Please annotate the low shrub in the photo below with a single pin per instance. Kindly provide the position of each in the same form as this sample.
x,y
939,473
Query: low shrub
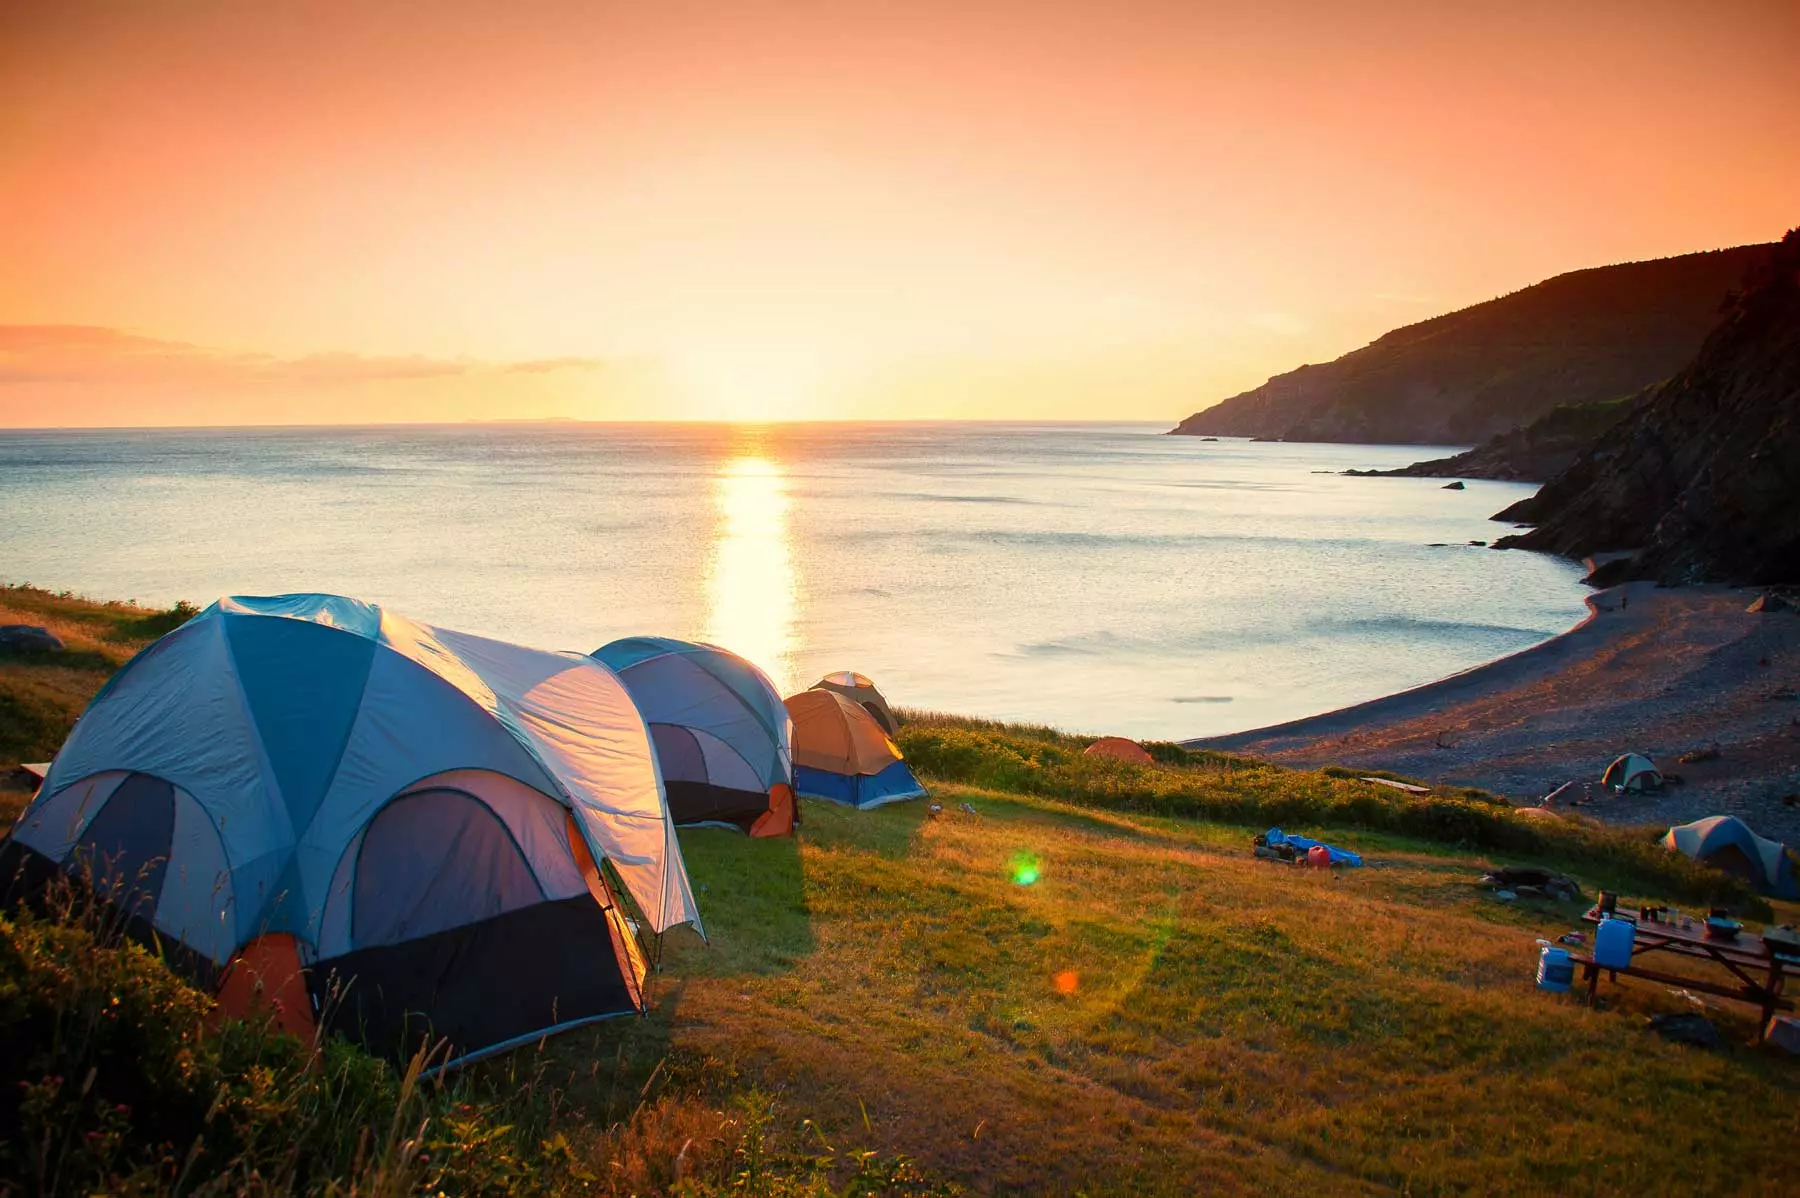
x,y
117,1077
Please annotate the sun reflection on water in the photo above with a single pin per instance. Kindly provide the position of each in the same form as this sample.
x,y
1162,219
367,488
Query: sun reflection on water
x,y
750,581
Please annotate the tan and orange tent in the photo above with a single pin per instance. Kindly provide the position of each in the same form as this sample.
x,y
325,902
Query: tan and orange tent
x,y
842,754
859,689
1119,749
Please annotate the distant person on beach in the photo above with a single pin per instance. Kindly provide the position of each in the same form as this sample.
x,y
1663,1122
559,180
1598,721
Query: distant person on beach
x,y
1624,602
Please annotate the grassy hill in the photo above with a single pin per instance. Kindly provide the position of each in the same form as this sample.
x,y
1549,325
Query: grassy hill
x,y
1084,983
1584,337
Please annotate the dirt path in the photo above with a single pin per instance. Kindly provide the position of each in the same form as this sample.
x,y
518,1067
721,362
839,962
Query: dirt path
x,y
1657,671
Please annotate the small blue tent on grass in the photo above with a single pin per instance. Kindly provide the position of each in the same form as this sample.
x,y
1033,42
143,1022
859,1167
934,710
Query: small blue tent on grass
x,y
720,730
411,817
1726,842
841,753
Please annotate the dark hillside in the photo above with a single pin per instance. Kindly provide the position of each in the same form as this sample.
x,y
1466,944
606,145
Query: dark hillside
x,y
1702,477
1580,338
1540,450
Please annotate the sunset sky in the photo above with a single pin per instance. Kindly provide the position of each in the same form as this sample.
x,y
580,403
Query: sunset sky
x,y
290,212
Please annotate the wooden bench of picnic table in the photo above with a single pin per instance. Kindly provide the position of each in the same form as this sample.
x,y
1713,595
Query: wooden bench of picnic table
x,y
1761,972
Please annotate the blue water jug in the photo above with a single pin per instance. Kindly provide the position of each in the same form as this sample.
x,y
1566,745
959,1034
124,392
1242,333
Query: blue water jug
x,y
1612,943
1555,970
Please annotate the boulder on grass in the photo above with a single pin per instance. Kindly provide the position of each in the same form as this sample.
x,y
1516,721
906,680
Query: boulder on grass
x,y
29,638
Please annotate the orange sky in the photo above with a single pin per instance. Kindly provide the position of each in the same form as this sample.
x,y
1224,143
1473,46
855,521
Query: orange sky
x,y
359,211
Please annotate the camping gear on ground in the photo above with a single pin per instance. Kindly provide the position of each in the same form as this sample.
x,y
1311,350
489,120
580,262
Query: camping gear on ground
x,y
1783,1032
1612,943
858,689
1686,1028
1119,749
1632,773
417,817
1556,969
1535,883
720,730
1750,972
1284,852
841,753
1727,843
1319,857
1275,838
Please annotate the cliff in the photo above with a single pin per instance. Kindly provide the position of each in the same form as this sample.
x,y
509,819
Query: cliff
x,y
1702,477
1580,338
1541,450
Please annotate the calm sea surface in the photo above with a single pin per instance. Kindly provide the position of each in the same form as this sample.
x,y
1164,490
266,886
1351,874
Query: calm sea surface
x,y
1096,577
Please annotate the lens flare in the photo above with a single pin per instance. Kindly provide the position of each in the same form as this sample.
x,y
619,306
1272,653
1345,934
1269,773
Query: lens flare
x,y
1024,868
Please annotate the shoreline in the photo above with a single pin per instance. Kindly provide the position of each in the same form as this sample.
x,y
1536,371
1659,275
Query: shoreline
x,y
1662,671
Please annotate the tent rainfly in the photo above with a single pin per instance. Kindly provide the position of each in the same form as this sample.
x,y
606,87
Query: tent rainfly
x,y
720,731
1726,842
1633,772
404,817
858,689
841,753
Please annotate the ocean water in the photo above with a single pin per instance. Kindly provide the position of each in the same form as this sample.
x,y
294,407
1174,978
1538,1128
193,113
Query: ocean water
x,y
1100,578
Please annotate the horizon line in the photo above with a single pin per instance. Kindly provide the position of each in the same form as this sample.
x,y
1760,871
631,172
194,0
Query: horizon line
x,y
568,421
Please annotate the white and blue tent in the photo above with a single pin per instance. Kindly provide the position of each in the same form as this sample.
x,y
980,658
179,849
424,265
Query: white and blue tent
x,y
720,730
418,811
1726,842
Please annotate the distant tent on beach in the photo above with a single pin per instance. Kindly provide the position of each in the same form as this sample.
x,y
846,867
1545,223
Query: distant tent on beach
x,y
720,730
1727,843
415,817
1119,749
859,689
1632,773
841,753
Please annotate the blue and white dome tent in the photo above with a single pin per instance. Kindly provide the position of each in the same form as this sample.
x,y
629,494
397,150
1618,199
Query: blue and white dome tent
x,y
419,812
720,729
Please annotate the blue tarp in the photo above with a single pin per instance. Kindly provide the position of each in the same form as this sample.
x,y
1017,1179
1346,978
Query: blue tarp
x,y
858,790
1301,843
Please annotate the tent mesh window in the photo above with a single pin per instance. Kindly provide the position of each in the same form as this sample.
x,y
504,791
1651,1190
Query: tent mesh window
x,y
124,852
433,860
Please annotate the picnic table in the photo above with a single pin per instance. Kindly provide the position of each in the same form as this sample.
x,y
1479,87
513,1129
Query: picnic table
x,y
1759,970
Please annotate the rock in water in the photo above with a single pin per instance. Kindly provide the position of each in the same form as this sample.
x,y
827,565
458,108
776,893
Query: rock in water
x,y
1699,477
1455,486
29,638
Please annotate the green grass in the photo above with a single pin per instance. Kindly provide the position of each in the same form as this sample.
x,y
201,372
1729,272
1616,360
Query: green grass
x,y
41,694
1158,1012
1244,792
1221,1023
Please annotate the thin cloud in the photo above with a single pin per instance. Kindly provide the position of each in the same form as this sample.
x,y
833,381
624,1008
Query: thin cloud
x,y
40,354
